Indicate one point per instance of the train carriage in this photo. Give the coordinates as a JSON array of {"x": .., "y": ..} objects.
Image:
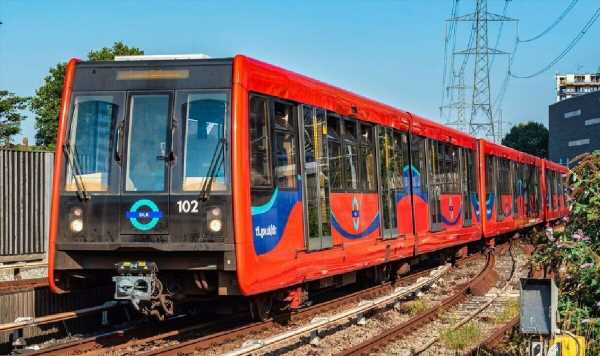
[
  {"x": 448, "y": 211},
  {"x": 511, "y": 189},
  {"x": 365, "y": 172},
  {"x": 555, "y": 200},
  {"x": 210, "y": 178}
]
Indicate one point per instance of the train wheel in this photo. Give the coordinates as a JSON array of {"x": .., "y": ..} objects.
[{"x": 262, "y": 307}]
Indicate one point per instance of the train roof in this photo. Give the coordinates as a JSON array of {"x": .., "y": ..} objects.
[
  {"x": 510, "y": 153},
  {"x": 270, "y": 79},
  {"x": 155, "y": 61},
  {"x": 555, "y": 166}
]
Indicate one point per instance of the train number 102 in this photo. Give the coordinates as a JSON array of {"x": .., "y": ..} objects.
[{"x": 187, "y": 206}]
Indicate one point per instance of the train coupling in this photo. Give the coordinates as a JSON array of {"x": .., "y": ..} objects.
[{"x": 138, "y": 282}]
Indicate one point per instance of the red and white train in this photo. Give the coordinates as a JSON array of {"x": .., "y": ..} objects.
[{"x": 225, "y": 177}]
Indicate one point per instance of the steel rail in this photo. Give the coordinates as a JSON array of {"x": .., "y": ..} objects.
[
  {"x": 480, "y": 283},
  {"x": 22, "y": 285},
  {"x": 206, "y": 342},
  {"x": 220, "y": 330},
  {"x": 494, "y": 338},
  {"x": 23, "y": 265},
  {"x": 132, "y": 336},
  {"x": 56, "y": 317},
  {"x": 324, "y": 322}
]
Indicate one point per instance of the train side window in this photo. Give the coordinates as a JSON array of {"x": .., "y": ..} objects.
[
  {"x": 502, "y": 187},
  {"x": 467, "y": 177},
  {"x": 400, "y": 157},
  {"x": 489, "y": 175},
  {"x": 368, "y": 172},
  {"x": 514, "y": 185},
  {"x": 260, "y": 158},
  {"x": 335, "y": 151},
  {"x": 350, "y": 159},
  {"x": 418, "y": 154},
  {"x": 452, "y": 163},
  {"x": 549, "y": 188},
  {"x": 284, "y": 145},
  {"x": 283, "y": 116},
  {"x": 436, "y": 186}
]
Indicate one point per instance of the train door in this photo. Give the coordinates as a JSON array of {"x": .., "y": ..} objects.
[
  {"x": 395, "y": 176},
  {"x": 435, "y": 185},
  {"x": 315, "y": 177},
  {"x": 466, "y": 184},
  {"x": 501, "y": 186},
  {"x": 514, "y": 185},
  {"x": 144, "y": 149},
  {"x": 490, "y": 187},
  {"x": 418, "y": 183}
]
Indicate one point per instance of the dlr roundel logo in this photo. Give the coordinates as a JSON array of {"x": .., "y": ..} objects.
[{"x": 144, "y": 215}]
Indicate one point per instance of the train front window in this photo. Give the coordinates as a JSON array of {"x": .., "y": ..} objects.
[
  {"x": 90, "y": 141},
  {"x": 147, "y": 149},
  {"x": 204, "y": 127}
]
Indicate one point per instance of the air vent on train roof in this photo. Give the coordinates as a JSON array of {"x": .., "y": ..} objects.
[{"x": 161, "y": 57}]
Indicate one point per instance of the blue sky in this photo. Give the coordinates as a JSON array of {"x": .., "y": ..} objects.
[{"x": 388, "y": 50}]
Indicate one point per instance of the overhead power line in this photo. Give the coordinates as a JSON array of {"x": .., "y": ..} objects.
[
  {"x": 506, "y": 3},
  {"x": 450, "y": 36},
  {"x": 553, "y": 24},
  {"x": 565, "y": 51}
]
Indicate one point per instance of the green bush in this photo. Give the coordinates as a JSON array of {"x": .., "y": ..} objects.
[{"x": 573, "y": 253}]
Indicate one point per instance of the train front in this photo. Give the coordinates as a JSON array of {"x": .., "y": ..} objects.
[{"x": 141, "y": 193}]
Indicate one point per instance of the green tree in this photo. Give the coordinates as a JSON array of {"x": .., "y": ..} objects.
[
  {"x": 530, "y": 137},
  {"x": 46, "y": 102},
  {"x": 10, "y": 115}
]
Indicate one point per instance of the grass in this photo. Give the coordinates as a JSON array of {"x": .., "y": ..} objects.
[
  {"x": 414, "y": 307},
  {"x": 508, "y": 313},
  {"x": 461, "y": 337}
]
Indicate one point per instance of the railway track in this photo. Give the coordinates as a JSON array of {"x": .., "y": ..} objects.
[
  {"x": 296, "y": 338},
  {"x": 184, "y": 336},
  {"x": 381, "y": 294},
  {"x": 22, "y": 285},
  {"x": 476, "y": 302}
]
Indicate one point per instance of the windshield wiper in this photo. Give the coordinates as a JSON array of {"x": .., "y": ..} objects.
[
  {"x": 215, "y": 164},
  {"x": 76, "y": 171}
]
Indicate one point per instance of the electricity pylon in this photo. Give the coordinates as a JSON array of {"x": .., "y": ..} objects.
[{"x": 481, "y": 122}]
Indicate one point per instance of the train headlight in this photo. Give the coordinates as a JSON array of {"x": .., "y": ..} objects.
[
  {"x": 215, "y": 225},
  {"x": 76, "y": 225},
  {"x": 214, "y": 218},
  {"x": 215, "y": 211},
  {"x": 77, "y": 212}
]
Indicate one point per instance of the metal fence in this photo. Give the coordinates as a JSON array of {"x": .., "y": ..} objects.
[{"x": 25, "y": 182}]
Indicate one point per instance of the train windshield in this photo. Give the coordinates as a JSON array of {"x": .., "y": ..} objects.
[
  {"x": 204, "y": 126},
  {"x": 142, "y": 133},
  {"x": 90, "y": 141}
]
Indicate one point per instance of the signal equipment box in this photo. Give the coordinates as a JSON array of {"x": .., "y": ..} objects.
[{"x": 539, "y": 301}]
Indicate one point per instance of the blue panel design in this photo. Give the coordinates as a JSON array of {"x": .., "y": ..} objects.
[
  {"x": 489, "y": 205},
  {"x": 416, "y": 181},
  {"x": 451, "y": 222},
  {"x": 270, "y": 219},
  {"x": 398, "y": 195},
  {"x": 349, "y": 235},
  {"x": 261, "y": 209},
  {"x": 475, "y": 203}
]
